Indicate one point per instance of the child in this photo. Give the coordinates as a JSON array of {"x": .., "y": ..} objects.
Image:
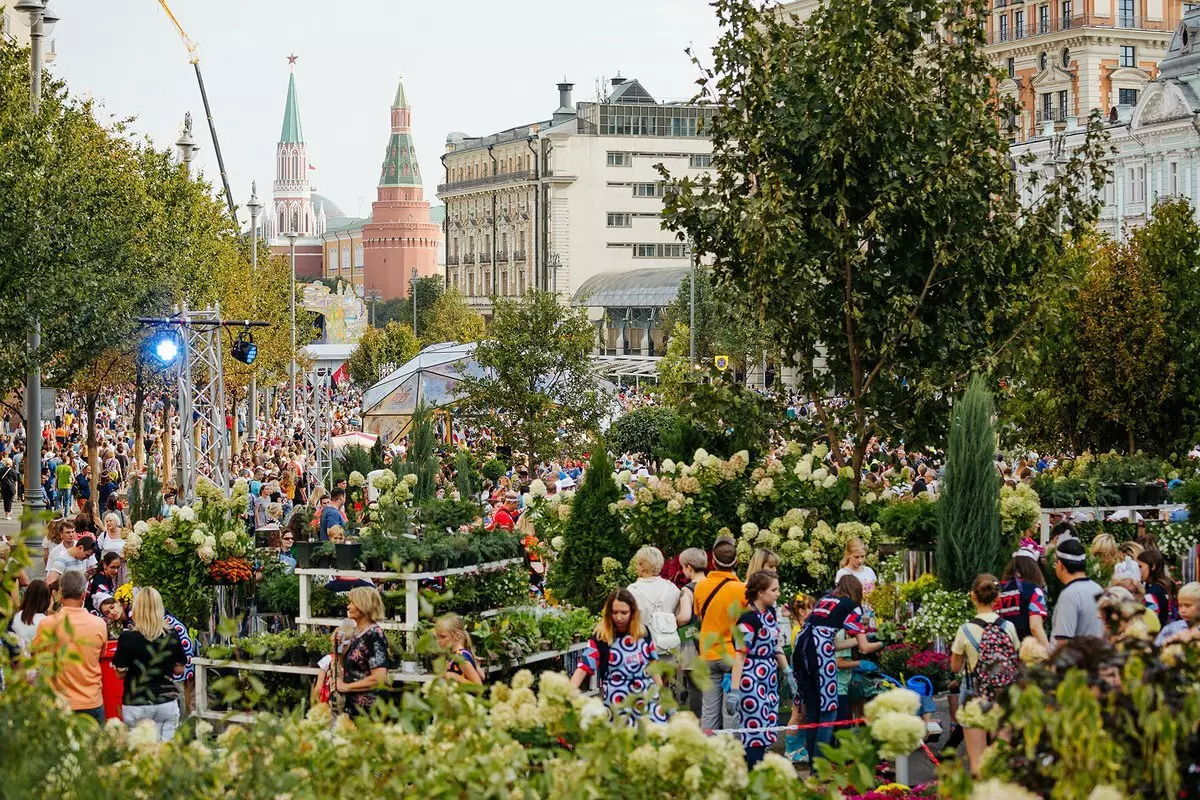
[
  {"x": 794, "y": 742},
  {"x": 1189, "y": 615},
  {"x": 453, "y": 638},
  {"x": 1159, "y": 587}
]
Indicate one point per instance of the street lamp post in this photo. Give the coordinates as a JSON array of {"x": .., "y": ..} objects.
[
  {"x": 414, "y": 294},
  {"x": 41, "y": 22},
  {"x": 374, "y": 295},
  {"x": 185, "y": 145},
  {"x": 292, "y": 236},
  {"x": 692, "y": 313},
  {"x": 256, "y": 206}
]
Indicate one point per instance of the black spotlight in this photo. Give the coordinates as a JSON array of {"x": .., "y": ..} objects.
[{"x": 244, "y": 349}]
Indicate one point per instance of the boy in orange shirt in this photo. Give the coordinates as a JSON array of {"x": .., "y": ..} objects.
[{"x": 719, "y": 601}]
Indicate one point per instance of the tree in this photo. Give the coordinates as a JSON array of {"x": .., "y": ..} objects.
[
  {"x": 722, "y": 326},
  {"x": 535, "y": 384},
  {"x": 968, "y": 508},
  {"x": 862, "y": 199},
  {"x": 380, "y": 351},
  {"x": 399, "y": 309},
  {"x": 643, "y": 431},
  {"x": 452, "y": 320},
  {"x": 675, "y": 368},
  {"x": 592, "y": 534}
]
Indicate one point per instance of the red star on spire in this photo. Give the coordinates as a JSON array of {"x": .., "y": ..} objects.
[{"x": 292, "y": 59}]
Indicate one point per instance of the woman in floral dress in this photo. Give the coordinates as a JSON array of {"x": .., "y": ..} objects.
[
  {"x": 363, "y": 657},
  {"x": 756, "y": 665},
  {"x": 618, "y": 654}
]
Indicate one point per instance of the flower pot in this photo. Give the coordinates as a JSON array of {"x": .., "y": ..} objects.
[
  {"x": 410, "y": 667},
  {"x": 347, "y": 555},
  {"x": 1129, "y": 494},
  {"x": 304, "y": 554},
  {"x": 297, "y": 656},
  {"x": 1152, "y": 494}
]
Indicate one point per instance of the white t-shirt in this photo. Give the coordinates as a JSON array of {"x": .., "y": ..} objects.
[
  {"x": 63, "y": 562},
  {"x": 865, "y": 575},
  {"x": 654, "y": 594},
  {"x": 25, "y": 633},
  {"x": 106, "y": 545}
]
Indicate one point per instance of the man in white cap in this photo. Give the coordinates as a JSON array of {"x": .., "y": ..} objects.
[{"x": 1076, "y": 613}]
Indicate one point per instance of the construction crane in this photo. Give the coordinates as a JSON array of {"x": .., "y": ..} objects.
[{"x": 195, "y": 62}]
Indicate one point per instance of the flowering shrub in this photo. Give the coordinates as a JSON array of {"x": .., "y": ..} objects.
[
  {"x": 686, "y": 504},
  {"x": 809, "y": 548},
  {"x": 941, "y": 614},
  {"x": 177, "y": 555},
  {"x": 1019, "y": 509}
]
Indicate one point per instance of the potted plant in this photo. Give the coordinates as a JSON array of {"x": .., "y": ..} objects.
[
  {"x": 304, "y": 553},
  {"x": 316, "y": 646},
  {"x": 323, "y": 555},
  {"x": 219, "y": 652},
  {"x": 347, "y": 555}
]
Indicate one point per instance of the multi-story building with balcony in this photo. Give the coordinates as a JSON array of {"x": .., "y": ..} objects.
[
  {"x": 1155, "y": 143},
  {"x": 1063, "y": 58},
  {"x": 561, "y": 201}
]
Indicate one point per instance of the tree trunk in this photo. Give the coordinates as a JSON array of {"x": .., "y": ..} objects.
[
  {"x": 92, "y": 444},
  {"x": 139, "y": 427},
  {"x": 1131, "y": 447},
  {"x": 234, "y": 439},
  {"x": 166, "y": 446}
]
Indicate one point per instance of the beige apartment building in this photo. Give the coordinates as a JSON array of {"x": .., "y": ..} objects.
[{"x": 1063, "y": 58}]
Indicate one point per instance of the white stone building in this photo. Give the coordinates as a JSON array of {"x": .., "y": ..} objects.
[{"x": 558, "y": 202}]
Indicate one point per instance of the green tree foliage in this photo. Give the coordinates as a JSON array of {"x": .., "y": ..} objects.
[
  {"x": 145, "y": 498},
  {"x": 862, "y": 198},
  {"x": 422, "y": 456},
  {"x": 643, "y": 431},
  {"x": 723, "y": 418},
  {"x": 1117, "y": 365},
  {"x": 536, "y": 377},
  {"x": 380, "y": 351},
  {"x": 452, "y": 320},
  {"x": 722, "y": 327},
  {"x": 399, "y": 309},
  {"x": 675, "y": 368},
  {"x": 968, "y": 511},
  {"x": 466, "y": 476},
  {"x": 593, "y": 534}
]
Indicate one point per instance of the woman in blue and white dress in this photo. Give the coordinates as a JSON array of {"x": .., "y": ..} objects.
[
  {"x": 815, "y": 659},
  {"x": 619, "y": 654},
  {"x": 757, "y": 663}
]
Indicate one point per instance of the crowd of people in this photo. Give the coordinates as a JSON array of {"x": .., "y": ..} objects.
[{"x": 711, "y": 617}]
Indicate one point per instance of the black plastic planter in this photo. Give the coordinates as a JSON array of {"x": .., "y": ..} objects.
[
  {"x": 1129, "y": 494},
  {"x": 304, "y": 554},
  {"x": 1152, "y": 494},
  {"x": 348, "y": 555}
]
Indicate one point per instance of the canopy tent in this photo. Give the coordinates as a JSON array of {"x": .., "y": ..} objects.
[
  {"x": 429, "y": 380},
  {"x": 359, "y": 438}
]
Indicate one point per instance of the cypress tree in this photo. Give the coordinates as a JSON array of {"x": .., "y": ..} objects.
[
  {"x": 592, "y": 533},
  {"x": 969, "y": 541}
]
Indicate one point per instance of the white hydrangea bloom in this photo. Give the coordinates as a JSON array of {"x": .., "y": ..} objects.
[
  {"x": 537, "y": 488},
  {"x": 186, "y": 513},
  {"x": 141, "y": 527}
]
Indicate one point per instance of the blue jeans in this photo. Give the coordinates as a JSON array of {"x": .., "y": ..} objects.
[
  {"x": 927, "y": 706},
  {"x": 63, "y": 501}
]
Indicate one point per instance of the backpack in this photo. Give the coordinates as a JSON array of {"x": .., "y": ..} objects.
[
  {"x": 996, "y": 668},
  {"x": 663, "y": 627}
]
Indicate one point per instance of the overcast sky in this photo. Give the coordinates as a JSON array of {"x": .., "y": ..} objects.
[{"x": 476, "y": 66}]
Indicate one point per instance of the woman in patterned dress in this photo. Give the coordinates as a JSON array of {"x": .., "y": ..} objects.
[
  {"x": 618, "y": 654},
  {"x": 362, "y": 658},
  {"x": 815, "y": 660},
  {"x": 756, "y": 665}
]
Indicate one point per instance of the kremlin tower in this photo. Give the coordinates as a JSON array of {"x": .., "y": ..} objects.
[
  {"x": 293, "y": 209},
  {"x": 399, "y": 238}
]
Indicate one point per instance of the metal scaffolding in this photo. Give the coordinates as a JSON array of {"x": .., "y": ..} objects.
[
  {"x": 318, "y": 418},
  {"x": 204, "y": 450}
]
